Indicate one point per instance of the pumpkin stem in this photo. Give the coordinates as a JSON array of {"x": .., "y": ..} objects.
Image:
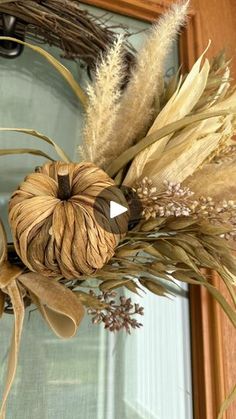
[{"x": 64, "y": 191}]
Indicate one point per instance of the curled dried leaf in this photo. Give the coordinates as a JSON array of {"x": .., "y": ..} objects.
[
  {"x": 132, "y": 286},
  {"x": 181, "y": 276},
  {"x": 65, "y": 73},
  {"x": 181, "y": 223},
  {"x": 62, "y": 155},
  {"x": 127, "y": 251},
  {"x": 153, "y": 287},
  {"x": 10, "y": 151},
  {"x": 152, "y": 224},
  {"x": 113, "y": 284}
]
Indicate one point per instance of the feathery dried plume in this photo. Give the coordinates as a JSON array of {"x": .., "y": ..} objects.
[
  {"x": 103, "y": 105},
  {"x": 146, "y": 80},
  {"x": 217, "y": 178}
]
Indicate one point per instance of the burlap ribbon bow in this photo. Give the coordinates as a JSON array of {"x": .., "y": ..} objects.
[{"x": 58, "y": 305}]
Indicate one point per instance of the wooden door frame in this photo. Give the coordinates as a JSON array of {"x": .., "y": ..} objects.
[{"x": 206, "y": 331}]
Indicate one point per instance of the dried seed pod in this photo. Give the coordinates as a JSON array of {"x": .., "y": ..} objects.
[{"x": 53, "y": 224}]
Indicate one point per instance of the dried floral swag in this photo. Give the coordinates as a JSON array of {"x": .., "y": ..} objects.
[{"x": 172, "y": 144}]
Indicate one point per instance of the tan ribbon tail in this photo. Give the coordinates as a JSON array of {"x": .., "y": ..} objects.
[
  {"x": 19, "y": 310},
  {"x": 59, "y": 306}
]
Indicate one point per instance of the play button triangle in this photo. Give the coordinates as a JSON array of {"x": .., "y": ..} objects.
[{"x": 116, "y": 209}]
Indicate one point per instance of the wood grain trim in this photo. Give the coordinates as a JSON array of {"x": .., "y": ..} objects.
[
  {"x": 147, "y": 10},
  {"x": 190, "y": 42},
  {"x": 207, "y": 352},
  {"x": 206, "y": 327}
]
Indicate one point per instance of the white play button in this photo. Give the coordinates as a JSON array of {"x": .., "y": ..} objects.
[{"x": 116, "y": 209}]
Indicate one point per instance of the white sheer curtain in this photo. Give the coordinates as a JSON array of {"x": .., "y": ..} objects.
[{"x": 96, "y": 375}]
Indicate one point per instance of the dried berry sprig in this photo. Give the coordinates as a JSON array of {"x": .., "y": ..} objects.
[
  {"x": 177, "y": 201},
  {"x": 174, "y": 201},
  {"x": 116, "y": 315}
]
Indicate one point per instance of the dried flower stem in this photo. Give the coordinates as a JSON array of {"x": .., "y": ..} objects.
[
  {"x": 177, "y": 201},
  {"x": 116, "y": 316}
]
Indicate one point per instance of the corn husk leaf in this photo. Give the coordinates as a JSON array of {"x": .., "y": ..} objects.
[
  {"x": 129, "y": 154},
  {"x": 172, "y": 87},
  {"x": 65, "y": 73},
  {"x": 42, "y": 137},
  {"x": 218, "y": 82},
  {"x": 179, "y": 105},
  {"x": 222, "y": 89},
  {"x": 176, "y": 165},
  {"x": 182, "y": 160}
]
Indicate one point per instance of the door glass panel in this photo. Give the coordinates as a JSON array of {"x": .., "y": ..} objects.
[{"x": 96, "y": 375}]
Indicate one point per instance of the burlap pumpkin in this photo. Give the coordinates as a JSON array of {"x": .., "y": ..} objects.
[{"x": 59, "y": 236}]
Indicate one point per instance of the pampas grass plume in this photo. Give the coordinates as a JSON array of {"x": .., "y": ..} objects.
[
  {"x": 103, "y": 105},
  {"x": 146, "y": 80}
]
